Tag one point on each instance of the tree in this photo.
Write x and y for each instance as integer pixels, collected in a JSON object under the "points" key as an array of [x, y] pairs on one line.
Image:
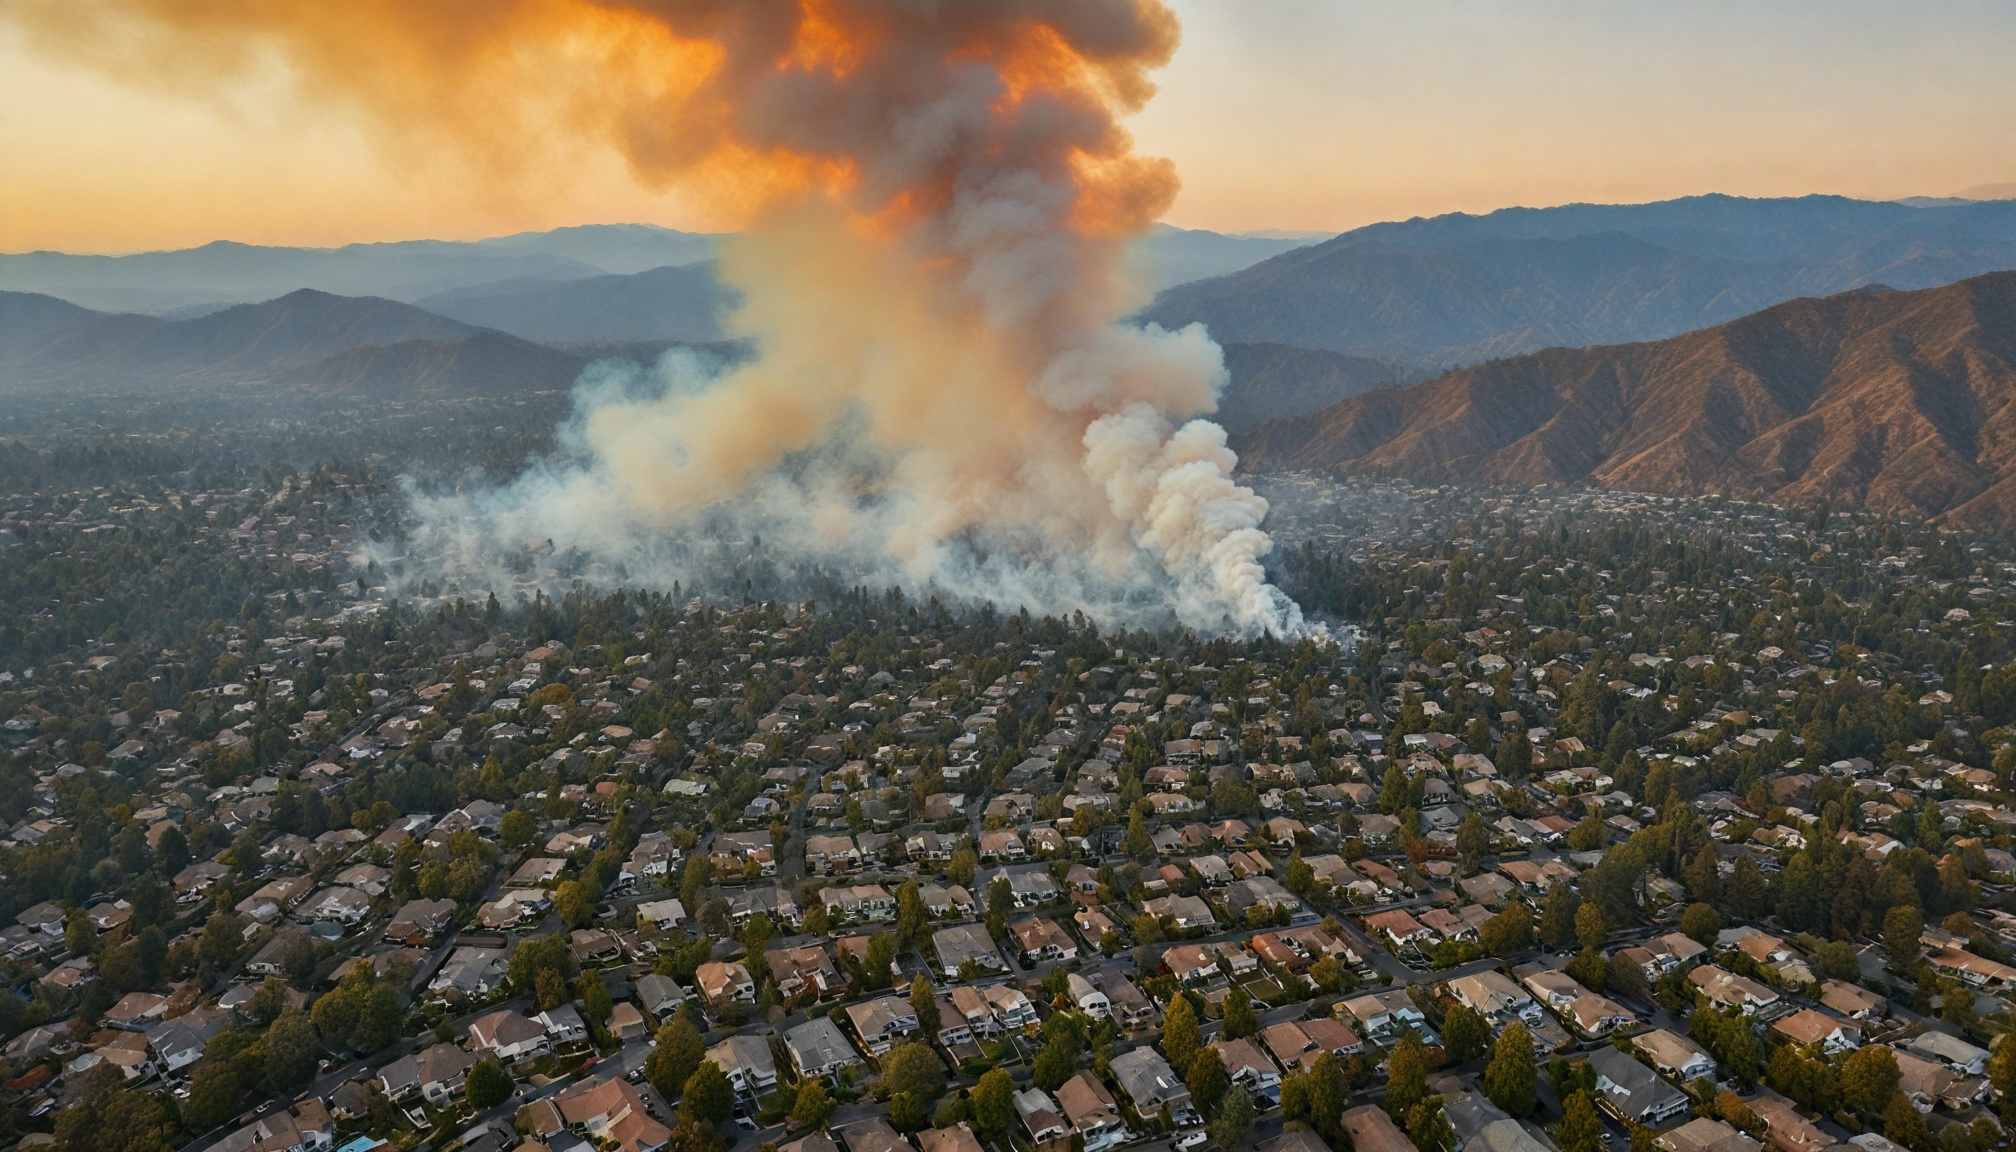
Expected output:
{"points": [[908, 1111], [1869, 1078], [910, 913], [1428, 1128], [1515, 753], [1473, 840], [961, 867], [2002, 1074], [1206, 1078], [1508, 932], [707, 1097], [914, 1068], [1703, 876], [572, 902], [1902, 927], [106, 1116], [1406, 1077], [537, 954], [516, 828], [1903, 1125], [1329, 1094], [1181, 1037], [1234, 1119], [1744, 895], [1589, 835], [1590, 928], [1702, 923], [1054, 1063], [290, 1047], [1589, 968], [1465, 1034], [994, 1103], [1557, 916], [1509, 1080], [1581, 1130], [924, 1002], [814, 1105], [675, 1056], [551, 990], [595, 1002], [1239, 1020], [488, 1085], [1136, 843]]}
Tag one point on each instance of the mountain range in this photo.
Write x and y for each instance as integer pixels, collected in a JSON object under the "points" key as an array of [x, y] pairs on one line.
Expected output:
{"points": [[188, 282], [326, 344], [1435, 293], [1897, 401]]}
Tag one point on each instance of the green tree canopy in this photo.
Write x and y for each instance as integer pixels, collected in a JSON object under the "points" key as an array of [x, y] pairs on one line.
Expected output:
{"points": [[488, 1085], [707, 1097], [1509, 1080]]}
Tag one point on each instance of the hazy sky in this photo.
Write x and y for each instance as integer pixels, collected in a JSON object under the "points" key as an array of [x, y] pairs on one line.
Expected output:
{"points": [[1300, 114]]}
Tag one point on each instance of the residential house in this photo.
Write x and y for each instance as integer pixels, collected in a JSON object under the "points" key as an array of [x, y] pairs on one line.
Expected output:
{"points": [[818, 1048], [1130, 1006], [508, 1036], [420, 921], [1041, 939], [610, 1110], [663, 915], [1853, 1001], [1705, 1135], [1089, 999], [1675, 1055], [882, 1021], [802, 971], [563, 1024], [1632, 1092], [1092, 1113], [722, 982], [1957, 1054], [1010, 1006], [1370, 1129], [1729, 990], [1149, 1082], [1495, 997], [1043, 1119], [660, 995], [1247, 1066], [1818, 1032], [966, 943], [1389, 1012], [746, 1059]]}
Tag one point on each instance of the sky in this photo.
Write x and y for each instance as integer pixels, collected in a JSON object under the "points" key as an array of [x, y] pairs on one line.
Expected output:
{"points": [[1307, 115]]}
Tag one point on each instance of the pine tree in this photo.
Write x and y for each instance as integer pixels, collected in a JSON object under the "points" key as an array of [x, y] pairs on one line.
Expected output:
{"points": [[1557, 916], [1234, 1119], [1240, 1020], [1581, 1129], [1406, 1078], [1465, 1034], [1510, 1078], [1181, 1038]]}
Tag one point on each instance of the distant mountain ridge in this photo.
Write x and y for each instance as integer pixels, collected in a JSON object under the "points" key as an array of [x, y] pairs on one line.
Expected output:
{"points": [[1442, 291], [1901, 401], [400, 270], [325, 344], [681, 303], [188, 280]]}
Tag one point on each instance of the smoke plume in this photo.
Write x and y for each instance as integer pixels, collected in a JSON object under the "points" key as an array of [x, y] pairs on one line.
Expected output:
{"points": [[936, 195]]}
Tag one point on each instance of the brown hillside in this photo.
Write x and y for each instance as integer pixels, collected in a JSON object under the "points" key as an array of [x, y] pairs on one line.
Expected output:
{"points": [[1898, 401]]}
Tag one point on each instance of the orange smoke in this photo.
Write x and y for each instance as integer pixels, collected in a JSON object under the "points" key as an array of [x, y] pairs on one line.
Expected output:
{"points": [[747, 101], [935, 196]]}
